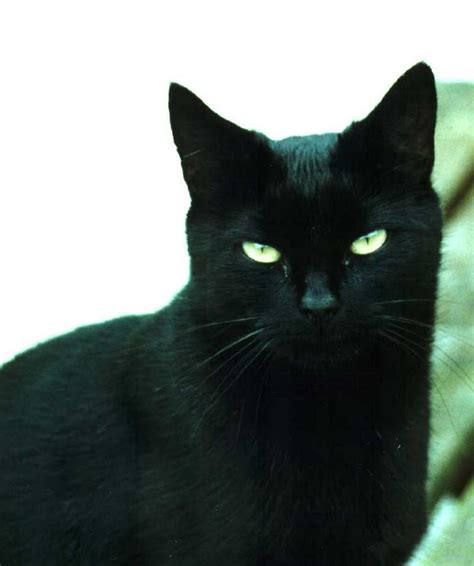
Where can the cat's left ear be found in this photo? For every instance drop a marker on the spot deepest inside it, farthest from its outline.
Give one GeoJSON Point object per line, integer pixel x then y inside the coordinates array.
{"type": "Point", "coordinates": [399, 132]}
{"type": "Point", "coordinates": [213, 151]}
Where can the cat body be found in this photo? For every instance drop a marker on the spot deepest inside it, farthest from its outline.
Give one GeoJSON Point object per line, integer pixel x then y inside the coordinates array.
{"type": "Point", "coordinates": [269, 415]}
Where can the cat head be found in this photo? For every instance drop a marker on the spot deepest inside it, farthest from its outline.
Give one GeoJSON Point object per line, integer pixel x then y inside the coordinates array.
{"type": "Point", "coordinates": [314, 239]}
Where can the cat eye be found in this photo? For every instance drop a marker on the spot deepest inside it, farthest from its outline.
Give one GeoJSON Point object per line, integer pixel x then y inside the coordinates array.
{"type": "Point", "coordinates": [260, 252]}
{"type": "Point", "coordinates": [369, 243]}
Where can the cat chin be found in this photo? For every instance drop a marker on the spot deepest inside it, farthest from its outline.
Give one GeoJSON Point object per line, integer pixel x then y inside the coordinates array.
{"type": "Point", "coordinates": [309, 356]}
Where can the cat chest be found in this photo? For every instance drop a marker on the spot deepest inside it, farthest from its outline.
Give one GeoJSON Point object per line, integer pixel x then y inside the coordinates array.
{"type": "Point", "coordinates": [275, 509]}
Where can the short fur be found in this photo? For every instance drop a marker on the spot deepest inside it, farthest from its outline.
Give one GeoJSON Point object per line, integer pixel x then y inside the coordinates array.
{"type": "Point", "coordinates": [246, 423]}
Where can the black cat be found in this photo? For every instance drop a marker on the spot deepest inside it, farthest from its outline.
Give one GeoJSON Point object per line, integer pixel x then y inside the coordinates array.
{"type": "Point", "coordinates": [273, 414]}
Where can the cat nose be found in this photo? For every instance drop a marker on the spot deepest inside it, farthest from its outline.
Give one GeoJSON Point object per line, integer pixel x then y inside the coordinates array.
{"type": "Point", "coordinates": [318, 302]}
{"type": "Point", "coordinates": [320, 307]}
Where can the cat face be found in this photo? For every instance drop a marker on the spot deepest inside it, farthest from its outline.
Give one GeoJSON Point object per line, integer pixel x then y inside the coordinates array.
{"type": "Point", "coordinates": [315, 239]}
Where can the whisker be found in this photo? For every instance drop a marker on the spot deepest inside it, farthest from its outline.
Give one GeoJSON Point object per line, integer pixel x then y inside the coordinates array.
{"type": "Point", "coordinates": [249, 349]}
{"type": "Point", "coordinates": [225, 348]}
{"type": "Point", "coordinates": [407, 349]}
{"type": "Point", "coordinates": [414, 322]}
{"type": "Point", "coordinates": [245, 347]}
{"type": "Point", "coordinates": [220, 391]}
{"type": "Point", "coordinates": [440, 300]}
{"type": "Point", "coordinates": [435, 349]}
{"type": "Point", "coordinates": [263, 380]}
{"type": "Point", "coordinates": [209, 324]}
{"type": "Point", "coordinates": [397, 301]}
{"type": "Point", "coordinates": [137, 347]}
{"type": "Point", "coordinates": [244, 359]}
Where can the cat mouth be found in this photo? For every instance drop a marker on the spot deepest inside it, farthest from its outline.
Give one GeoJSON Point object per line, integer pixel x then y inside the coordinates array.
{"type": "Point", "coordinates": [317, 344]}
{"type": "Point", "coordinates": [315, 341]}
{"type": "Point", "coordinates": [317, 354]}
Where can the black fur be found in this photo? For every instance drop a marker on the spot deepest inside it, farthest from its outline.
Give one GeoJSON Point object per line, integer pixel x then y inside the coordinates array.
{"type": "Point", "coordinates": [231, 427]}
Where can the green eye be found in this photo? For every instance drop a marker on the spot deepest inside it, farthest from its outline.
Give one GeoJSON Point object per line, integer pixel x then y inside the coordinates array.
{"type": "Point", "coordinates": [369, 243]}
{"type": "Point", "coordinates": [260, 252]}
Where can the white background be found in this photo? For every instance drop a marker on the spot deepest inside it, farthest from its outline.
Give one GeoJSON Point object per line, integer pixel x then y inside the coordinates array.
{"type": "Point", "coordinates": [92, 201]}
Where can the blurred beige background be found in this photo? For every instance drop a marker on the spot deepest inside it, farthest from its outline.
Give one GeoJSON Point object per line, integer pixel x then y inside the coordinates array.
{"type": "Point", "coordinates": [451, 487]}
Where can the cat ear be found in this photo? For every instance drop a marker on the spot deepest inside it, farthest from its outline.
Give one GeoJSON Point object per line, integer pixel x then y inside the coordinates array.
{"type": "Point", "coordinates": [399, 132]}
{"type": "Point", "coordinates": [209, 146]}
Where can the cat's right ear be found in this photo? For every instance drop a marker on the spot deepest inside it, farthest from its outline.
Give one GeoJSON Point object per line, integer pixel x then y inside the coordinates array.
{"type": "Point", "coordinates": [398, 135]}
{"type": "Point", "coordinates": [209, 146]}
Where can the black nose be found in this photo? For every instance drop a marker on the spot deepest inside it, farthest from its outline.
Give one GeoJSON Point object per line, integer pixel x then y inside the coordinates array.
{"type": "Point", "coordinates": [320, 308]}
{"type": "Point", "coordinates": [319, 303]}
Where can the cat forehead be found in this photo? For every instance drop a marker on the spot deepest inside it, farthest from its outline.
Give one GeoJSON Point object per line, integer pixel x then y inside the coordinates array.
{"type": "Point", "coordinates": [307, 195]}
{"type": "Point", "coordinates": [305, 158]}
{"type": "Point", "coordinates": [304, 180]}
{"type": "Point", "coordinates": [321, 209]}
